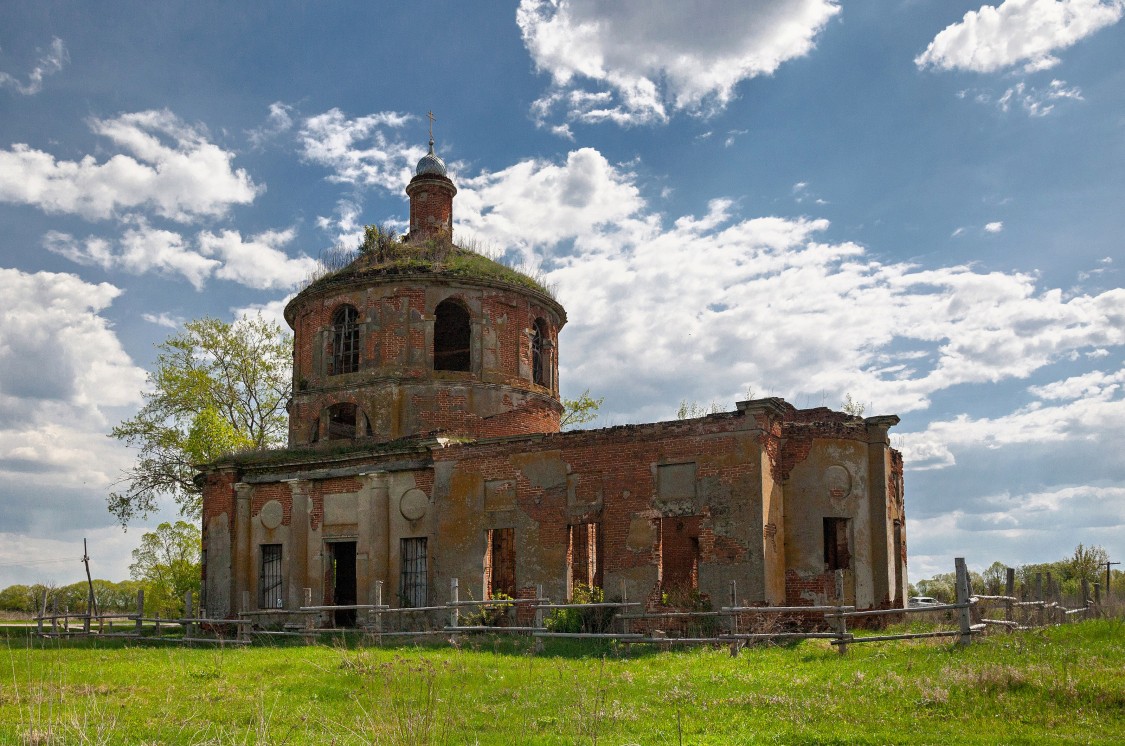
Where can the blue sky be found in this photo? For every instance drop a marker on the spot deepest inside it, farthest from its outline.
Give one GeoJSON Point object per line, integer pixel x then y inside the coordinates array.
{"type": "Point", "coordinates": [914, 202]}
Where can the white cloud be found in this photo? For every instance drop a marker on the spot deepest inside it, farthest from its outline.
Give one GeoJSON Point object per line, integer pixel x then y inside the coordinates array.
{"type": "Point", "coordinates": [49, 63]}
{"type": "Point", "coordinates": [279, 121]}
{"type": "Point", "coordinates": [643, 65]}
{"type": "Point", "coordinates": [1017, 527]}
{"type": "Point", "coordinates": [1017, 31]}
{"type": "Point", "coordinates": [1091, 409]}
{"type": "Point", "coordinates": [360, 151]}
{"type": "Point", "coordinates": [994, 227]}
{"type": "Point", "coordinates": [257, 262]}
{"type": "Point", "coordinates": [163, 319]}
{"type": "Point", "coordinates": [61, 365]}
{"type": "Point", "coordinates": [689, 309]}
{"type": "Point", "coordinates": [273, 311]}
{"type": "Point", "coordinates": [509, 207]}
{"type": "Point", "coordinates": [167, 166]}
{"type": "Point", "coordinates": [1038, 102]}
{"type": "Point", "coordinates": [141, 249]}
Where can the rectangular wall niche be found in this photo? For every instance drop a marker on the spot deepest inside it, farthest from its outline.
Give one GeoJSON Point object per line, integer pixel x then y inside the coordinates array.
{"type": "Point", "coordinates": [584, 557]}
{"type": "Point", "coordinates": [837, 556]}
{"type": "Point", "coordinates": [414, 582]}
{"type": "Point", "coordinates": [675, 481]}
{"type": "Point", "coordinates": [269, 578]}
{"type": "Point", "coordinates": [500, 563]}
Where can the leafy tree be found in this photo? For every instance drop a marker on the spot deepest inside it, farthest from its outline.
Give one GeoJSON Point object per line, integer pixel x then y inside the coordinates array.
{"type": "Point", "coordinates": [580, 410]}
{"type": "Point", "coordinates": [17, 598]}
{"type": "Point", "coordinates": [995, 577]}
{"type": "Point", "coordinates": [168, 563]}
{"type": "Point", "coordinates": [217, 388]}
{"type": "Point", "coordinates": [1087, 563]}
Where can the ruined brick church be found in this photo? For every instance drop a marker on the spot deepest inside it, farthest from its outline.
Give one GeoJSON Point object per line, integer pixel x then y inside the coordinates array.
{"type": "Point", "coordinates": [424, 445]}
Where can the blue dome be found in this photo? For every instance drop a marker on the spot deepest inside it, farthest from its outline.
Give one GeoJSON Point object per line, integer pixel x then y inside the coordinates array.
{"type": "Point", "coordinates": [430, 163]}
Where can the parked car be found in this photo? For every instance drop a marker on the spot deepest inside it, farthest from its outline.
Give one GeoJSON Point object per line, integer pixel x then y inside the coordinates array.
{"type": "Point", "coordinates": [922, 601]}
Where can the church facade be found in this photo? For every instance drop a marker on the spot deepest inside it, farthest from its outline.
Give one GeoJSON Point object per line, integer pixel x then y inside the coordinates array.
{"type": "Point", "coordinates": [425, 445]}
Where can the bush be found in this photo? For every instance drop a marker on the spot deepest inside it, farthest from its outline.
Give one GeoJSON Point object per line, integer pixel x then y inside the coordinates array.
{"type": "Point", "coordinates": [595, 620]}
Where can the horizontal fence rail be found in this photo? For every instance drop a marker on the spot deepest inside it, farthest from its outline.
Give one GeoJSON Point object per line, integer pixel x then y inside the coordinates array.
{"type": "Point", "coordinates": [627, 622]}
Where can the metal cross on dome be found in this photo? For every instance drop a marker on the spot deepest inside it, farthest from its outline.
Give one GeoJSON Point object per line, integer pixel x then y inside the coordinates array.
{"type": "Point", "coordinates": [431, 117]}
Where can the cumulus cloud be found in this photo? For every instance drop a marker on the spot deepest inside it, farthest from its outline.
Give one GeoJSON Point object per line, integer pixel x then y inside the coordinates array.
{"type": "Point", "coordinates": [61, 365]}
{"type": "Point", "coordinates": [627, 63]}
{"type": "Point", "coordinates": [361, 151]}
{"type": "Point", "coordinates": [1017, 31]}
{"type": "Point", "coordinates": [49, 63]}
{"type": "Point", "coordinates": [256, 262]}
{"type": "Point", "coordinates": [167, 166]}
{"type": "Point", "coordinates": [586, 193]}
{"type": "Point", "coordinates": [697, 302]}
{"type": "Point", "coordinates": [994, 227]}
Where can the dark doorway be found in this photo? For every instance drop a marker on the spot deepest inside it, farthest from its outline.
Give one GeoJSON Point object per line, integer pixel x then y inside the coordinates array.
{"type": "Point", "coordinates": [341, 579]}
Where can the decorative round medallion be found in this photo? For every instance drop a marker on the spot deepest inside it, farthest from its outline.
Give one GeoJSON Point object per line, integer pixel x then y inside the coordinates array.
{"type": "Point", "coordinates": [413, 504]}
{"type": "Point", "coordinates": [838, 481]}
{"type": "Point", "coordinates": [272, 514]}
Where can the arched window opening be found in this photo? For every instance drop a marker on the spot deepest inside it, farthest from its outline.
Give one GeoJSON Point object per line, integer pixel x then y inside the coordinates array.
{"type": "Point", "coordinates": [539, 352]}
{"type": "Point", "coordinates": [341, 421]}
{"type": "Point", "coordinates": [452, 333]}
{"type": "Point", "coordinates": [345, 341]}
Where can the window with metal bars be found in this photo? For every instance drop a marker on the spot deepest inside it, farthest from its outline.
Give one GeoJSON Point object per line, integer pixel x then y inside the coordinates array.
{"type": "Point", "coordinates": [269, 578]}
{"type": "Point", "coordinates": [345, 341]}
{"type": "Point", "coordinates": [414, 582]}
{"type": "Point", "coordinates": [538, 353]}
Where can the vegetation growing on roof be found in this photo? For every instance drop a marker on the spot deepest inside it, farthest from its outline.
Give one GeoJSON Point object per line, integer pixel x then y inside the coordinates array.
{"type": "Point", "coordinates": [384, 252]}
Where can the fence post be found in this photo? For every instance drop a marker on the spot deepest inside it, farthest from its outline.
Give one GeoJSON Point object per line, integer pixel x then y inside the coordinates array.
{"type": "Point", "coordinates": [454, 599]}
{"type": "Point", "coordinates": [1086, 595]}
{"type": "Point", "coordinates": [42, 613]}
{"type": "Point", "coordinates": [841, 622]}
{"type": "Point", "coordinates": [54, 616]}
{"type": "Point", "coordinates": [378, 612]}
{"type": "Point", "coordinates": [1010, 592]}
{"type": "Point", "coordinates": [963, 601]}
{"type": "Point", "coordinates": [1098, 598]}
{"type": "Point", "coordinates": [1039, 598]}
{"type": "Point", "coordinates": [732, 602]}
{"type": "Point", "coordinates": [625, 609]}
{"type": "Point", "coordinates": [188, 626]}
{"type": "Point", "coordinates": [310, 618]}
{"type": "Point", "coordinates": [140, 610]}
{"type": "Point", "coordinates": [538, 646]}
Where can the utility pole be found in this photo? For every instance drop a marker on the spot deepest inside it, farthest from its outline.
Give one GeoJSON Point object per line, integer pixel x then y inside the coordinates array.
{"type": "Point", "coordinates": [1108, 592]}
{"type": "Point", "coordinates": [91, 603]}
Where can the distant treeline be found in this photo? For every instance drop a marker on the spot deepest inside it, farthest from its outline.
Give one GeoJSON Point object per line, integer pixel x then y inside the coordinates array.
{"type": "Point", "coordinates": [110, 597]}
{"type": "Point", "coordinates": [1066, 577]}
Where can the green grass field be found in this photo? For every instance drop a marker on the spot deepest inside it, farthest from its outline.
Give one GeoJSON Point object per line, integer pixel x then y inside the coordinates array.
{"type": "Point", "coordinates": [1061, 685]}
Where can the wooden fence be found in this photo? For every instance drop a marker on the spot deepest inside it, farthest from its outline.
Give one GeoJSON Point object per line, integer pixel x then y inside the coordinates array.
{"type": "Point", "coordinates": [627, 622]}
